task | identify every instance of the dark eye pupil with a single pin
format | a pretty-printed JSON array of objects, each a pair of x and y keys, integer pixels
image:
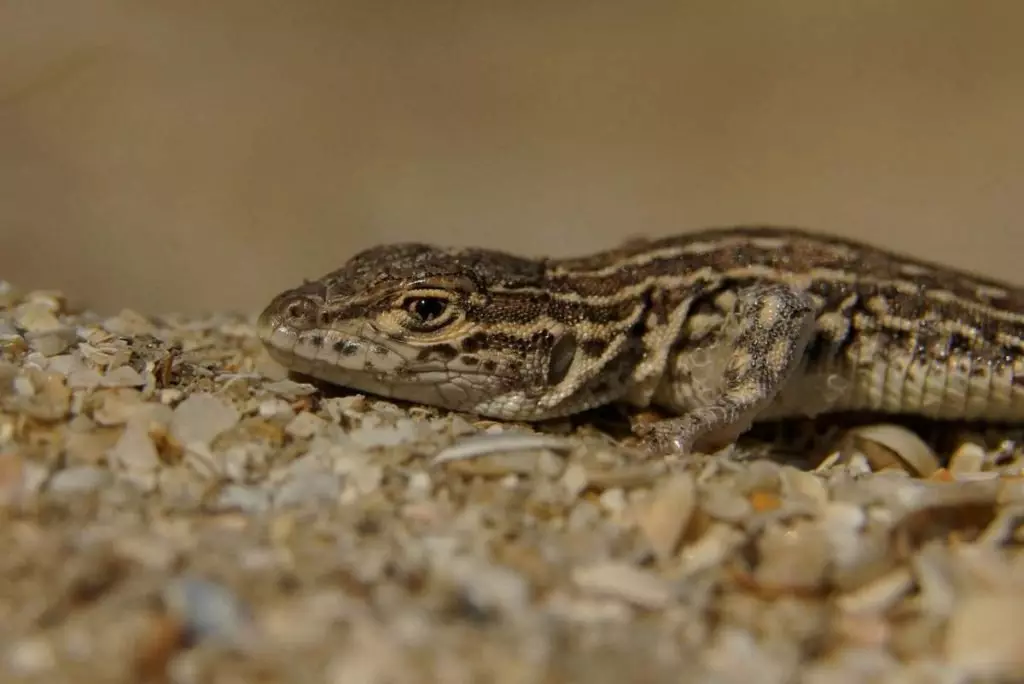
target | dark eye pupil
[{"x": 427, "y": 309}]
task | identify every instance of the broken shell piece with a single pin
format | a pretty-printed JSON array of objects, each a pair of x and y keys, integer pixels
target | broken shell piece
[
  {"x": 886, "y": 445},
  {"x": 968, "y": 458},
  {"x": 809, "y": 486},
  {"x": 490, "y": 443},
  {"x": 667, "y": 516},
  {"x": 877, "y": 596},
  {"x": 626, "y": 583},
  {"x": 710, "y": 550}
]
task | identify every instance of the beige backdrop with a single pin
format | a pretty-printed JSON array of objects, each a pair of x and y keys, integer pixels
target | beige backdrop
[{"x": 197, "y": 155}]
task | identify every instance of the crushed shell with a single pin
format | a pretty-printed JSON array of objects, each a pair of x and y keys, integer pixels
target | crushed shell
[{"x": 174, "y": 507}]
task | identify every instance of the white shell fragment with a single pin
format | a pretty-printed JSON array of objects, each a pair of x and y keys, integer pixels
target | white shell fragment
[
  {"x": 136, "y": 454},
  {"x": 894, "y": 445},
  {"x": 624, "y": 582},
  {"x": 201, "y": 417},
  {"x": 879, "y": 595},
  {"x": 968, "y": 459},
  {"x": 483, "y": 445},
  {"x": 666, "y": 517},
  {"x": 123, "y": 376}
]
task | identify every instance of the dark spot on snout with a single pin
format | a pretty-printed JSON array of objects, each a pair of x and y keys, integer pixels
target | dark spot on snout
[{"x": 469, "y": 360}]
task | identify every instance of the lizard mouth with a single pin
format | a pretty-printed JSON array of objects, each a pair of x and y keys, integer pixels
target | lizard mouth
[{"x": 382, "y": 366}]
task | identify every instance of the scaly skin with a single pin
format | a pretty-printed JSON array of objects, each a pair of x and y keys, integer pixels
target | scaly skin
[{"x": 721, "y": 328}]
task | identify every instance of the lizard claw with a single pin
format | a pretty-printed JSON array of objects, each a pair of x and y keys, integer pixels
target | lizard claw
[{"x": 664, "y": 440}]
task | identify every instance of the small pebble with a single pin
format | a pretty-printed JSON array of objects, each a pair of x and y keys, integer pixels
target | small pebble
[
  {"x": 307, "y": 490},
  {"x": 624, "y": 582},
  {"x": 53, "y": 342},
  {"x": 135, "y": 451},
  {"x": 201, "y": 417},
  {"x": 207, "y": 610},
  {"x": 664, "y": 519},
  {"x": 78, "y": 479},
  {"x": 123, "y": 376},
  {"x": 305, "y": 425}
]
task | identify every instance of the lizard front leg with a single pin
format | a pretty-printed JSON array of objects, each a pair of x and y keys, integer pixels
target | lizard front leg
[{"x": 760, "y": 345}]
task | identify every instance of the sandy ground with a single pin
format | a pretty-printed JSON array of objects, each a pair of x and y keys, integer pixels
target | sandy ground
[{"x": 174, "y": 509}]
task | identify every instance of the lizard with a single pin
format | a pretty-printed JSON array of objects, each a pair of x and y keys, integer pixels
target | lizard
[{"x": 719, "y": 328}]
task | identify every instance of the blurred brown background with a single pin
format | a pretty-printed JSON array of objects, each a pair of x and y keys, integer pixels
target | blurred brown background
[{"x": 190, "y": 156}]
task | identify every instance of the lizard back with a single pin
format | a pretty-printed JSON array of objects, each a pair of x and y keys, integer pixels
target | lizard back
[
  {"x": 649, "y": 322},
  {"x": 893, "y": 333}
]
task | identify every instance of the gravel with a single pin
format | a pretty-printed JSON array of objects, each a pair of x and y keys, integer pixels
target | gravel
[{"x": 174, "y": 508}]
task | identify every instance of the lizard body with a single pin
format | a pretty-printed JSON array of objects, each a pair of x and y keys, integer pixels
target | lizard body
[{"x": 720, "y": 328}]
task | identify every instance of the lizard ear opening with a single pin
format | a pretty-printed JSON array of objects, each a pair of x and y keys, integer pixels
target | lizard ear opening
[{"x": 562, "y": 356}]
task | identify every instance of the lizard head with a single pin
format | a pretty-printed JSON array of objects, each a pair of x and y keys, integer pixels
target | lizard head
[{"x": 469, "y": 330}]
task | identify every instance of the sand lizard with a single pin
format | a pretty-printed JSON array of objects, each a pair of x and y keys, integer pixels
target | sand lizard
[{"x": 719, "y": 328}]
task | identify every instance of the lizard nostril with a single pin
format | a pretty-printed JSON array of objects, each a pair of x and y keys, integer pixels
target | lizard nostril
[{"x": 301, "y": 313}]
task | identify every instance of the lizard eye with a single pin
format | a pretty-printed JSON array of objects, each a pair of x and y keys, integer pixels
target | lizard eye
[{"x": 426, "y": 309}]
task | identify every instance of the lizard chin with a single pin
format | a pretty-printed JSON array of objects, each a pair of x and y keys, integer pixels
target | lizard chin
[{"x": 431, "y": 375}]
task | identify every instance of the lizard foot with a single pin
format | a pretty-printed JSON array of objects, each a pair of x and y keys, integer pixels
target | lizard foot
[{"x": 686, "y": 435}]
